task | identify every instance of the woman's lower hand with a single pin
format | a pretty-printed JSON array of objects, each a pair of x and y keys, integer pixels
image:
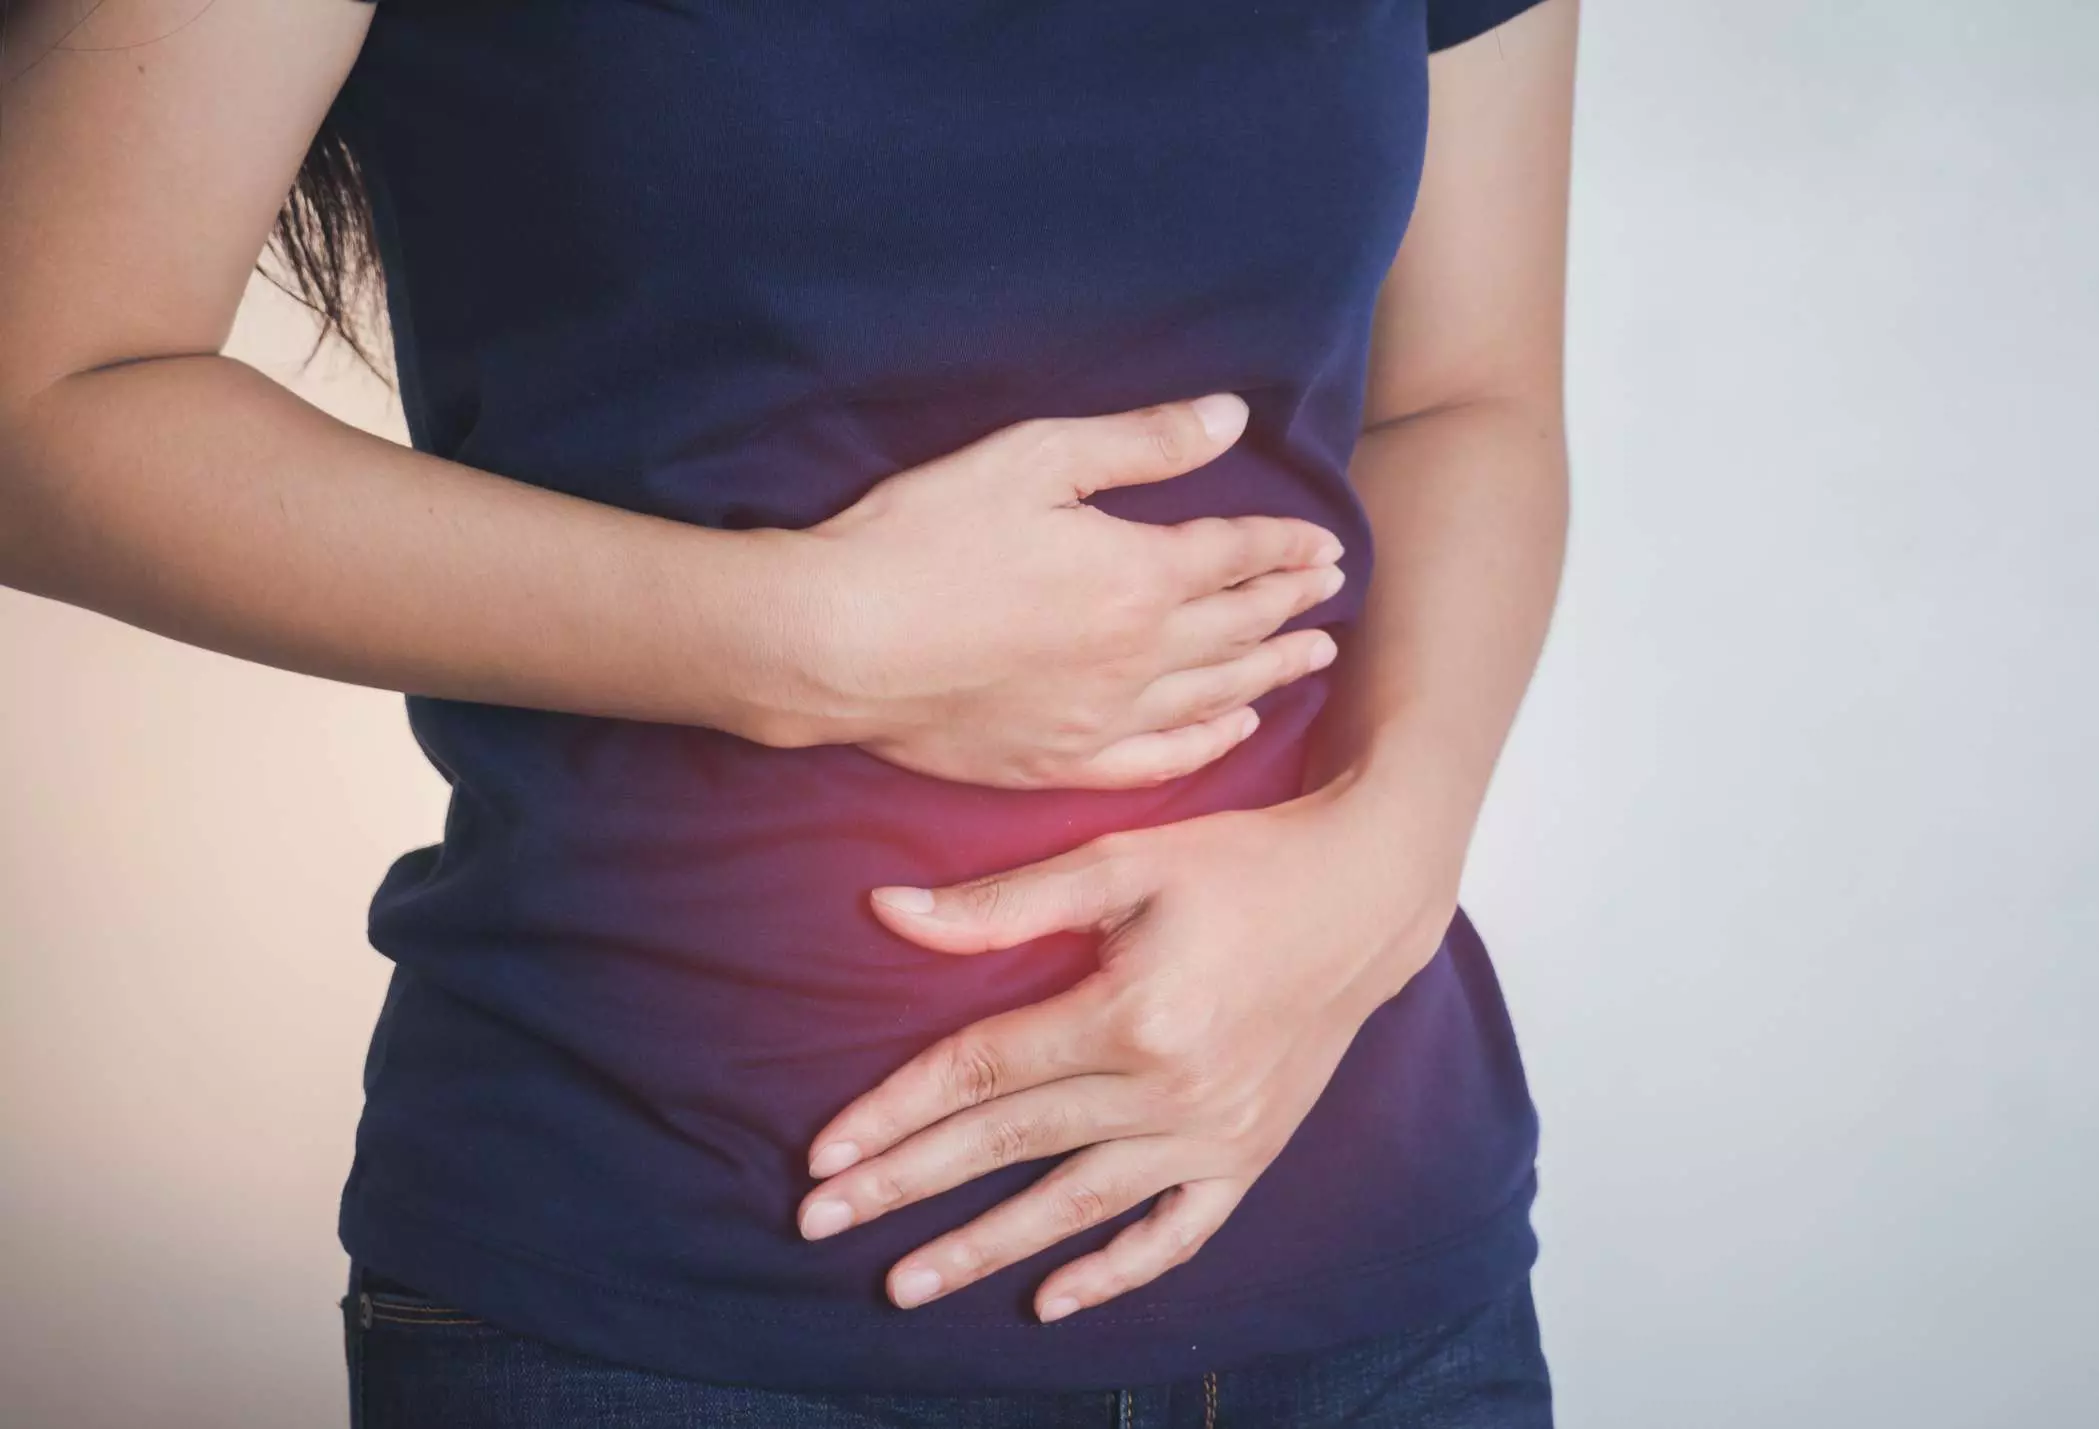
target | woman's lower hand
[
  {"x": 1241, "y": 953},
  {"x": 974, "y": 619}
]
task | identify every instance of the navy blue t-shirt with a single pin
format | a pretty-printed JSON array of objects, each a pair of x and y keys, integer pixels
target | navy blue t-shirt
[{"x": 733, "y": 262}]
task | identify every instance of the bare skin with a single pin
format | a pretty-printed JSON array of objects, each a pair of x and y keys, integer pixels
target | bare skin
[
  {"x": 1240, "y": 952},
  {"x": 970, "y": 618}
]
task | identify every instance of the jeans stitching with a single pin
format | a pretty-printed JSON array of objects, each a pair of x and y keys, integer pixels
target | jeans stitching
[
  {"x": 381, "y": 1310},
  {"x": 374, "y": 1306}
]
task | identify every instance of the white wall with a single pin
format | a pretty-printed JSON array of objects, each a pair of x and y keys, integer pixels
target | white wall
[
  {"x": 1790, "y": 871},
  {"x": 1793, "y": 866}
]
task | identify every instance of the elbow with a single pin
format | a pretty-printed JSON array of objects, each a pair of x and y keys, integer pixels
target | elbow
[
  {"x": 18, "y": 524},
  {"x": 1537, "y": 410},
  {"x": 30, "y": 520},
  {"x": 1530, "y": 390}
]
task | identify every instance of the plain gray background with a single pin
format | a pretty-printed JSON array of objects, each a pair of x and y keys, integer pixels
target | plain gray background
[
  {"x": 1792, "y": 870},
  {"x": 1789, "y": 870}
]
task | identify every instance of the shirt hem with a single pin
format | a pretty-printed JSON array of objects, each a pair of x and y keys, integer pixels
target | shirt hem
[{"x": 771, "y": 1342}]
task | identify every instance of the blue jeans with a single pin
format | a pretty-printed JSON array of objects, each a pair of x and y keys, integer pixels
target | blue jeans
[{"x": 415, "y": 1364}]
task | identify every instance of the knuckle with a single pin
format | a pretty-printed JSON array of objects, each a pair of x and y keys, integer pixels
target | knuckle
[
  {"x": 1168, "y": 434},
  {"x": 1137, "y": 595},
  {"x": 1239, "y": 1121},
  {"x": 1033, "y": 769},
  {"x": 1114, "y": 847},
  {"x": 881, "y": 1121},
  {"x": 1258, "y": 670},
  {"x": 1212, "y": 540},
  {"x": 1076, "y": 1206},
  {"x": 1157, "y": 1029},
  {"x": 1209, "y": 693},
  {"x": 1126, "y": 607},
  {"x": 1250, "y": 627},
  {"x": 881, "y": 1188},
  {"x": 1042, "y": 763},
  {"x": 1003, "y": 1141},
  {"x": 1185, "y": 1238},
  {"x": 1295, "y": 593},
  {"x": 1238, "y": 686},
  {"x": 972, "y": 1071},
  {"x": 1188, "y": 1082},
  {"x": 1037, "y": 437},
  {"x": 1080, "y": 730},
  {"x": 967, "y": 1256},
  {"x": 1187, "y": 765},
  {"x": 992, "y": 901},
  {"x": 1120, "y": 864}
]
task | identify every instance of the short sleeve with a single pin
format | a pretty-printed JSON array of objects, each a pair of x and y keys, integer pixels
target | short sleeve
[{"x": 1452, "y": 22}]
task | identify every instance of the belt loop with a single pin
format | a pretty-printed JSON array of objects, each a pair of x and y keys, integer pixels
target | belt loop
[{"x": 353, "y": 1343}]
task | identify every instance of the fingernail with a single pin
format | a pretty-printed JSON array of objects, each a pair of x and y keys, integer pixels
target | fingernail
[
  {"x": 915, "y": 1287},
  {"x": 1331, "y": 580},
  {"x": 1219, "y": 412},
  {"x": 907, "y": 900},
  {"x": 1058, "y": 1308},
  {"x": 1248, "y": 723},
  {"x": 832, "y": 1159},
  {"x": 825, "y": 1217},
  {"x": 1331, "y": 551},
  {"x": 1324, "y": 655}
]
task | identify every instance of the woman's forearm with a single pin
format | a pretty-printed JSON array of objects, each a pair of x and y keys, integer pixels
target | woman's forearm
[
  {"x": 1468, "y": 505},
  {"x": 194, "y": 497}
]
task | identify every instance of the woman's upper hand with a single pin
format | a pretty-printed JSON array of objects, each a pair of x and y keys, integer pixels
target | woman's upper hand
[
  {"x": 1242, "y": 952},
  {"x": 980, "y": 622}
]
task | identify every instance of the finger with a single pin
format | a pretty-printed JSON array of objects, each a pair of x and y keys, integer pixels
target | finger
[
  {"x": 1063, "y": 1036},
  {"x": 1077, "y": 456},
  {"x": 1177, "y": 1227},
  {"x": 1212, "y": 553},
  {"x": 1088, "y": 887},
  {"x": 1231, "y": 622},
  {"x": 1156, "y": 755},
  {"x": 1047, "y": 1120},
  {"x": 1193, "y": 694},
  {"x": 1096, "y": 1185}
]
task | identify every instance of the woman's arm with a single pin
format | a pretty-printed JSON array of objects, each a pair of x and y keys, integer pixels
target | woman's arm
[
  {"x": 147, "y": 477},
  {"x": 970, "y": 619},
  {"x": 1462, "y": 465},
  {"x": 1242, "y": 951}
]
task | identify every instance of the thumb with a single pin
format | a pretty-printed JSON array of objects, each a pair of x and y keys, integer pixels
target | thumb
[
  {"x": 1146, "y": 444},
  {"x": 1085, "y": 888}
]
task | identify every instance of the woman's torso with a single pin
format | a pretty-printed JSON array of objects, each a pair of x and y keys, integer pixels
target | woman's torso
[{"x": 733, "y": 262}]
